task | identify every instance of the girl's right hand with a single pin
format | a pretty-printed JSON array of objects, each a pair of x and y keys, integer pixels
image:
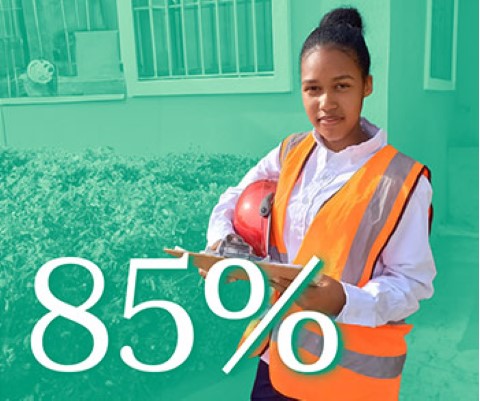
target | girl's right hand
[
  {"x": 204, "y": 273},
  {"x": 214, "y": 247}
]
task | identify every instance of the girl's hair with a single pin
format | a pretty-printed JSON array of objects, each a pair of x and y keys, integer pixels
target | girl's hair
[{"x": 341, "y": 28}]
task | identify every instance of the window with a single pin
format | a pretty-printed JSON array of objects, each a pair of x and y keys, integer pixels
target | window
[
  {"x": 205, "y": 46},
  {"x": 59, "y": 48},
  {"x": 70, "y": 49},
  {"x": 441, "y": 45}
]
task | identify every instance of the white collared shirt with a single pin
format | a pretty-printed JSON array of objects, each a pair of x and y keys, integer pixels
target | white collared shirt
[{"x": 404, "y": 272}]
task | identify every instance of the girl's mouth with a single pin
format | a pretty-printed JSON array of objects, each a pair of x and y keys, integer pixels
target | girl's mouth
[{"x": 329, "y": 120}]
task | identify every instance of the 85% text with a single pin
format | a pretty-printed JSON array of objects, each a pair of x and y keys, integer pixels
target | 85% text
[{"x": 185, "y": 330}]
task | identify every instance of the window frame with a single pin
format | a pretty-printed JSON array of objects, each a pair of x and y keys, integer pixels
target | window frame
[
  {"x": 429, "y": 82},
  {"x": 280, "y": 81}
]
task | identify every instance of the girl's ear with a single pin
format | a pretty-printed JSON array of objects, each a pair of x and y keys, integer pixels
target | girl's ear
[{"x": 368, "y": 86}]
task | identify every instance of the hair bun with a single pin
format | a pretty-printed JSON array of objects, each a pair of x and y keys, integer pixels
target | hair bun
[{"x": 343, "y": 16}]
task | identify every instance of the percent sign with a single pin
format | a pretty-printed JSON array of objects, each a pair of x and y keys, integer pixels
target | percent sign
[
  {"x": 185, "y": 338},
  {"x": 286, "y": 327}
]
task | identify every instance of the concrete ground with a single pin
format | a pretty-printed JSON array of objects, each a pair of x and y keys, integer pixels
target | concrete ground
[{"x": 443, "y": 353}]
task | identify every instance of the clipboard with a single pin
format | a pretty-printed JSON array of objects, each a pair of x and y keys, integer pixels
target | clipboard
[{"x": 205, "y": 261}]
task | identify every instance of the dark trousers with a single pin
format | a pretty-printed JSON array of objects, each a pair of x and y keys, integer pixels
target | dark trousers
[{"x": 263, "y": 389}]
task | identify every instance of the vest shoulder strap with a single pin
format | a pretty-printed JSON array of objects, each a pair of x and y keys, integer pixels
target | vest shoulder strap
[
  {"x": 289, "y": 143},
  {"x": 428, "y": 175}
]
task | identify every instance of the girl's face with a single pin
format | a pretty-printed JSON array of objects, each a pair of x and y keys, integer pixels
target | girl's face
[{"x": 333, "y": 89}]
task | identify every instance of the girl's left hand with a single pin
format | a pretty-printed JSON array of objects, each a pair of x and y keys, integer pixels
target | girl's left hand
[{"x": 326, "y": 295}]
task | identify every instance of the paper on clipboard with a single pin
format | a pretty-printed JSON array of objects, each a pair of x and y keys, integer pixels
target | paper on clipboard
[{"x": 205, "y": 261}]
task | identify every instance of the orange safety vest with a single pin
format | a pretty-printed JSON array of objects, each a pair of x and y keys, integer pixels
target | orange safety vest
[{"x": 348, "y": 233}]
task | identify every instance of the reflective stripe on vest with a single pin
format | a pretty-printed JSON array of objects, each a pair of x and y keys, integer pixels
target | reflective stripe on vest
[
  {"x": 379, "y": 367},
  {"x": 375, "y": 216},
  {"x": 289, "y": 143},
  {"x": 276, "y": 255}
]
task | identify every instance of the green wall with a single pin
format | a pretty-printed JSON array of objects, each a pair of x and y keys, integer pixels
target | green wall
[
  {"x": 214, "y": 123},
  {"x": 464, "y": 128},
  {"x": 428, "y": 124},
  {"x": 462, "y": 154}
]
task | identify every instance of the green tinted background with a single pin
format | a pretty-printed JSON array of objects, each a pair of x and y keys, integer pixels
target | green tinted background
[{"x": 437, "y": 127}]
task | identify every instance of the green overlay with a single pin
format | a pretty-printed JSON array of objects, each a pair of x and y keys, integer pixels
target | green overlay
[{"x": 122, "y": 122}]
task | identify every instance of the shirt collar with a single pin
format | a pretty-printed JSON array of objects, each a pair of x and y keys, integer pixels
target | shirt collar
[{"x": 354, "y": 153}]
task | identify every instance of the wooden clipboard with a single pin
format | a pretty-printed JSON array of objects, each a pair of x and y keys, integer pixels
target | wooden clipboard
[{"x": 205, "y": 261}]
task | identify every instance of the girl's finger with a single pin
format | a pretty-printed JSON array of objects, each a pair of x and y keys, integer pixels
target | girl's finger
[
  {"x": 277, "y": 286},
  {"x": 231, "y": 279}
]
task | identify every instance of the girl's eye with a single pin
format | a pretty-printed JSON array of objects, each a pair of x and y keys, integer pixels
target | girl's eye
[
  {"x": 312, "y": 89},
  {"x": 342, "y": 86}
]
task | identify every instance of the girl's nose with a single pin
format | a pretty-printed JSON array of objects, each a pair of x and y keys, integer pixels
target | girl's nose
[{"x": 327, "y": 102}]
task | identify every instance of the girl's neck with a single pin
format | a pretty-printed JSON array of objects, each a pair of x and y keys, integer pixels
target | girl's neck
[{"x": 356, "y": 138}]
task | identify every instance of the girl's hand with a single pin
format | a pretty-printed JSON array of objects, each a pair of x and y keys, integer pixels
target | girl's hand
[
  {"x": 204, "y": 273},
  {"x": 326, "y": 295},
  {"x": 214, "y": 247}
]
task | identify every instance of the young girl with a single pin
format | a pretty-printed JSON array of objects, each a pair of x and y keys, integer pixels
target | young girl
[{"x": 362, "y": 207}]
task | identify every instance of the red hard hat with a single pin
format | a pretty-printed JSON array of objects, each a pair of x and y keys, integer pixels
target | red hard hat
[{"x": 251, "y": 216}]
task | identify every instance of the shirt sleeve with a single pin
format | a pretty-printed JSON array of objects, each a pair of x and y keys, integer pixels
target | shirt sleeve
[
  {"x": 404, "y": 273},
  {"x": 220, "y": 223}
]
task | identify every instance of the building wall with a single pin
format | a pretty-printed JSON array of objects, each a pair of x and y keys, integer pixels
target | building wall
[
  {"x": 464, "y": 128},
  {"x": 430, "y": 125},
  {"x": 215, "y": 123}
]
